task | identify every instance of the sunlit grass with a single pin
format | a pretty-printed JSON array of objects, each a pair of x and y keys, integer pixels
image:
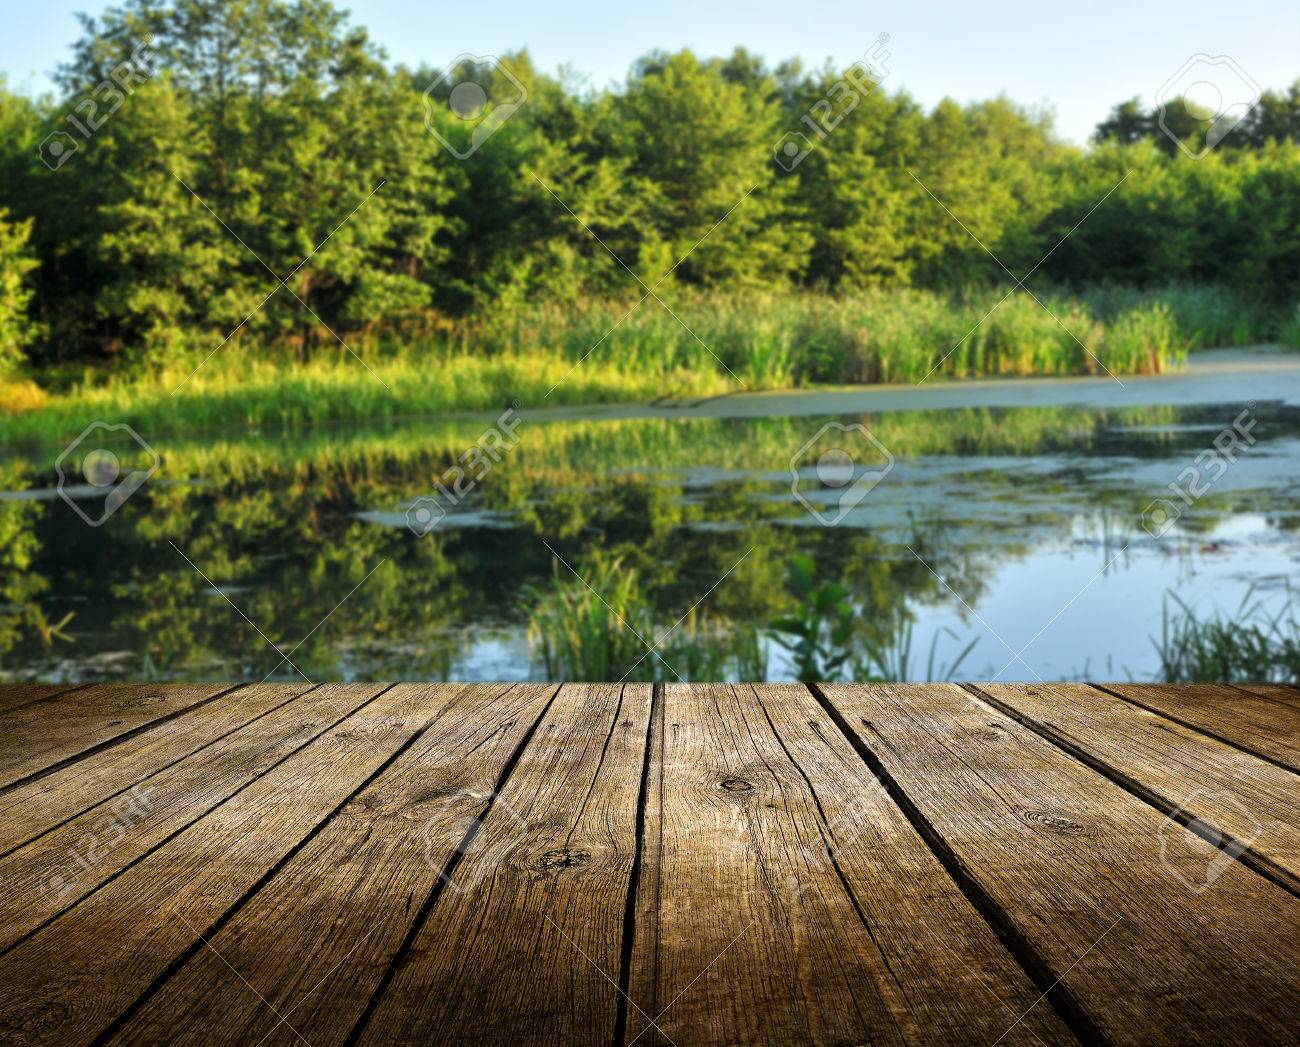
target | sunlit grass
[
  {"x": 602, "y": 626},
  {"x": 695, "y": 345}
]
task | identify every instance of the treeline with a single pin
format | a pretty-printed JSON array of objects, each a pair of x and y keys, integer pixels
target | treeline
[{"x": 264, "y": 153}]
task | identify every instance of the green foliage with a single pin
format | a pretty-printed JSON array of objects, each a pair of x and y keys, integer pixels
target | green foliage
[
  {"x": 602, "y": 626},
  {"x": 887, "y": 651},
  {"x": 1275, "y": 117},
  {"x": 1255, "y": 643},
  {"x": 542, "y": 355},
  {"x": 275, "y": 518},
  {"x": 591, "y": 628},
  {"x": 16, "y": 262},
  {"x": 277, "y": 183},
  {"x": 819, "y": 632}
]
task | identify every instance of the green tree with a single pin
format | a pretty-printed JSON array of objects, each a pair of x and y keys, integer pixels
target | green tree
[
  {"x": 289, "y": 140},
  {"x": 16, "y": 262},
  {"x": 856, "y": 187},
  {"x": 700, "y": 147},
  {"x": 1127, "y": 123}
]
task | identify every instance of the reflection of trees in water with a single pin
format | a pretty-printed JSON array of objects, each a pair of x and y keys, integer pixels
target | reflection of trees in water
[
  {"x": 272, "y": 524},
  {"x": 21, "y": 586}
]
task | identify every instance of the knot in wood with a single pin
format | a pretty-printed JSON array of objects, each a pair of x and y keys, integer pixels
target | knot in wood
[
  {"x": 735, "y": 785},
  {"x": 563, "y": 858},
  {"x": 1052, "y": 822}
]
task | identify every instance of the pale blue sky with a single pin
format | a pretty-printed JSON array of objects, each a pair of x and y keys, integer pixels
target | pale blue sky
[{"x": 1078, "y": 58}]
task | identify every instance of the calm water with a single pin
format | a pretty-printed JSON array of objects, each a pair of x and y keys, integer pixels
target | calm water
[{"x": 1010, "y": 527}]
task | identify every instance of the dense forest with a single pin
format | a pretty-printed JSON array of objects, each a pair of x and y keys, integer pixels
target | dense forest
[{"x": 264, "y": 153}]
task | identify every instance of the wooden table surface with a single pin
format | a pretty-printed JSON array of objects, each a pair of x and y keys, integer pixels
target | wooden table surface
[{"x": 688, "y": 864}]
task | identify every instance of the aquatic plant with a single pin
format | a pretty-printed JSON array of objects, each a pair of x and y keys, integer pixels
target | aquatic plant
[
  {"x": 819, "y": 633},
  {"x": 887, "y": 651},
  {"x": 600, "y": 625},
  {"x": 1255, "y": 643}
]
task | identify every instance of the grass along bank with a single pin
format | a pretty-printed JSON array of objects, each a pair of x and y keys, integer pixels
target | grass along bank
[{"x": 608, "y": 351}]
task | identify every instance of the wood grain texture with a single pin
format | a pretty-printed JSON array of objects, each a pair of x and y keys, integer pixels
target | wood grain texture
[
  {"x": 786, "y": 898},
  {"x": 310, "y": 947},
  {"x": 55, "y": 871},
  {"x": 1254, "y": 722},
  {"x": 13, "y": 695},
  {"x": 536, "y": 905},
  {"x": 72, "y": 980},
  {"x": 1179, "y": 770},
  {"x": 1156, "y": 940},
  {"x": 36, "y": 807},
  {"x": 441, "y": 863},
  {"x": 1278, "y": 692},
  {"x": 46, "y": 734}
]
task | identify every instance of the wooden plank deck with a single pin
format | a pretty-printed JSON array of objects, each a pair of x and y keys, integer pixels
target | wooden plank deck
[{"x": 618, "y": 864}]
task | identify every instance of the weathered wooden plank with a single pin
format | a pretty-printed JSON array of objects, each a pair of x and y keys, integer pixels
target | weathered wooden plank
[
  {"x": 536, "y": 904},
  {"x": 43, "y": 736},
  {"x": 55, "y": 871},
  {"x": 69, "y": 982},
  {"x": 311, "y": 946},
  {"x": 786, "y": 899},
  {"x": 1156, "y": 939},
  {"x": 36, "y": 807},
  {"x": 1180, "y": 770},
  {"x": 1278, "y": 692},
  {"x": 13, "y": 695},
  {"x": 1265, "y": 727}
]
